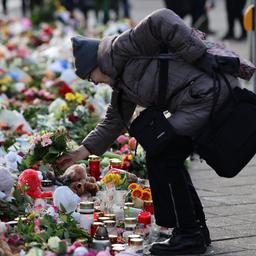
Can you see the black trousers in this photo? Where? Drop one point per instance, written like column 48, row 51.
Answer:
column 235, row 12
column 175, row 199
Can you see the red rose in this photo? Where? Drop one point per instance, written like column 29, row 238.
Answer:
column 63, row 88
column 72, row 118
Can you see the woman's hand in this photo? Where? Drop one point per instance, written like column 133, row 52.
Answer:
column 72, row 157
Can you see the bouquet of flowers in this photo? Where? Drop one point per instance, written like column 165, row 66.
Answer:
column 46, row 147
column 119, row 178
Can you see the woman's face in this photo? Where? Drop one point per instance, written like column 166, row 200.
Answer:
column 97, row 76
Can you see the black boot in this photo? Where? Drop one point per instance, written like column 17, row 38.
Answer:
column 206, row 233
column 181, row 242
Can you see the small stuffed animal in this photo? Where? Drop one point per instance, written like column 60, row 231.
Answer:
column 79, row 181
column 32, row 180
column 6, row 184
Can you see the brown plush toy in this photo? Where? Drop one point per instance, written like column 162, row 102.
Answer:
column 80, row 182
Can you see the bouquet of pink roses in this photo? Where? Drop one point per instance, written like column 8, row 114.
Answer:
column 46, row 147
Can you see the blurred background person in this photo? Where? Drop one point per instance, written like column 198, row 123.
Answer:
column 4, row 7
column 234, row 11
column 28, row 5
column 180, row 7
column 197, row 9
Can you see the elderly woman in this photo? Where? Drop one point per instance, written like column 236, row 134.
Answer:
column 190, row 95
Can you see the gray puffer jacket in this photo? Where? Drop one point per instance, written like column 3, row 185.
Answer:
column 190, row 107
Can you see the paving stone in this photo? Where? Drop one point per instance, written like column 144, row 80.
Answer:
column 232, row 210
column 241, row 253
column 243, row 230
column 248, row 243
column 225, row 221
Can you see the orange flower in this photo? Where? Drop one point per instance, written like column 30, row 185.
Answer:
column 136, row 193
column 133, row 186
column 147, row 189
column 146, row 195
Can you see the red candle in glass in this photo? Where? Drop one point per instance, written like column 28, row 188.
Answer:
column 148, row 206
column 94, row 227
column 115, row 163
column 144, row 218
column 94, row 166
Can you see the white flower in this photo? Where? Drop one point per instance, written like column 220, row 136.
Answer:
column 53, row 243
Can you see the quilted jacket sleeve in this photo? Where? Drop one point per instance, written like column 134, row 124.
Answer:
column 106, row 132
column 162, row 26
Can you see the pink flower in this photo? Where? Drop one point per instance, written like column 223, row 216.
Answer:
column 36, row 139
column 124, row 148
column 122, row 139
column 37, row 225
column 46, row 140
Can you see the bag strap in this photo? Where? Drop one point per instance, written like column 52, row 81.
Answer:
column 162, row 86
column 162, row 79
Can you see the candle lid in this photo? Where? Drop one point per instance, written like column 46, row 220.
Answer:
column 110, row 216
column 130, row 220
column 97, row 223
column 93, row 158
column 129, row 204
column 148, row 202
column 118, row 246
column 102, row 219
column 47, row 183
column 109, row 223
column 114, row 161
column 136, row 241
column 132, row 236
column 86, row 205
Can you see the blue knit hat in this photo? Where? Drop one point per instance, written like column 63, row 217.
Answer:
column 85, row 54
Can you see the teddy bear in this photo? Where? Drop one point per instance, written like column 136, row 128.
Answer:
column 79, row 181
column 6, row 184
column 32, row 179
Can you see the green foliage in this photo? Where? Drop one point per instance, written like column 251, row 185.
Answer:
column 65, row 228
column 138, row 166
column 43, row 12
column 31, row 112
column 17, row 207
column 83, row 126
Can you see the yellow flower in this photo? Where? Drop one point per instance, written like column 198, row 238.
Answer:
column 130, row 157
column 64, row 107
column 116, row 179
column 5, row 80
column 79, row 98
column 107, row 178
column 70, row 96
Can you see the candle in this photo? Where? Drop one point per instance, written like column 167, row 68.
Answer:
column 115, row 163
column 94, row 227
column 94, row 166
column 148, row 206
column 144, row 218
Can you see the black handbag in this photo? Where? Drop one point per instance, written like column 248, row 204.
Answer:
column 151, row 128
column 228, row 142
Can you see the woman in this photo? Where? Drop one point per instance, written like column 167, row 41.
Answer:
column 191, row 90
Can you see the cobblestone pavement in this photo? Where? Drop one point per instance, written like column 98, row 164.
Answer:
column 230, row 207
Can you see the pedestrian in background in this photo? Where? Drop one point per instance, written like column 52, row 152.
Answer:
column 196, row 8
column 235, row 12
column 4, row 7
